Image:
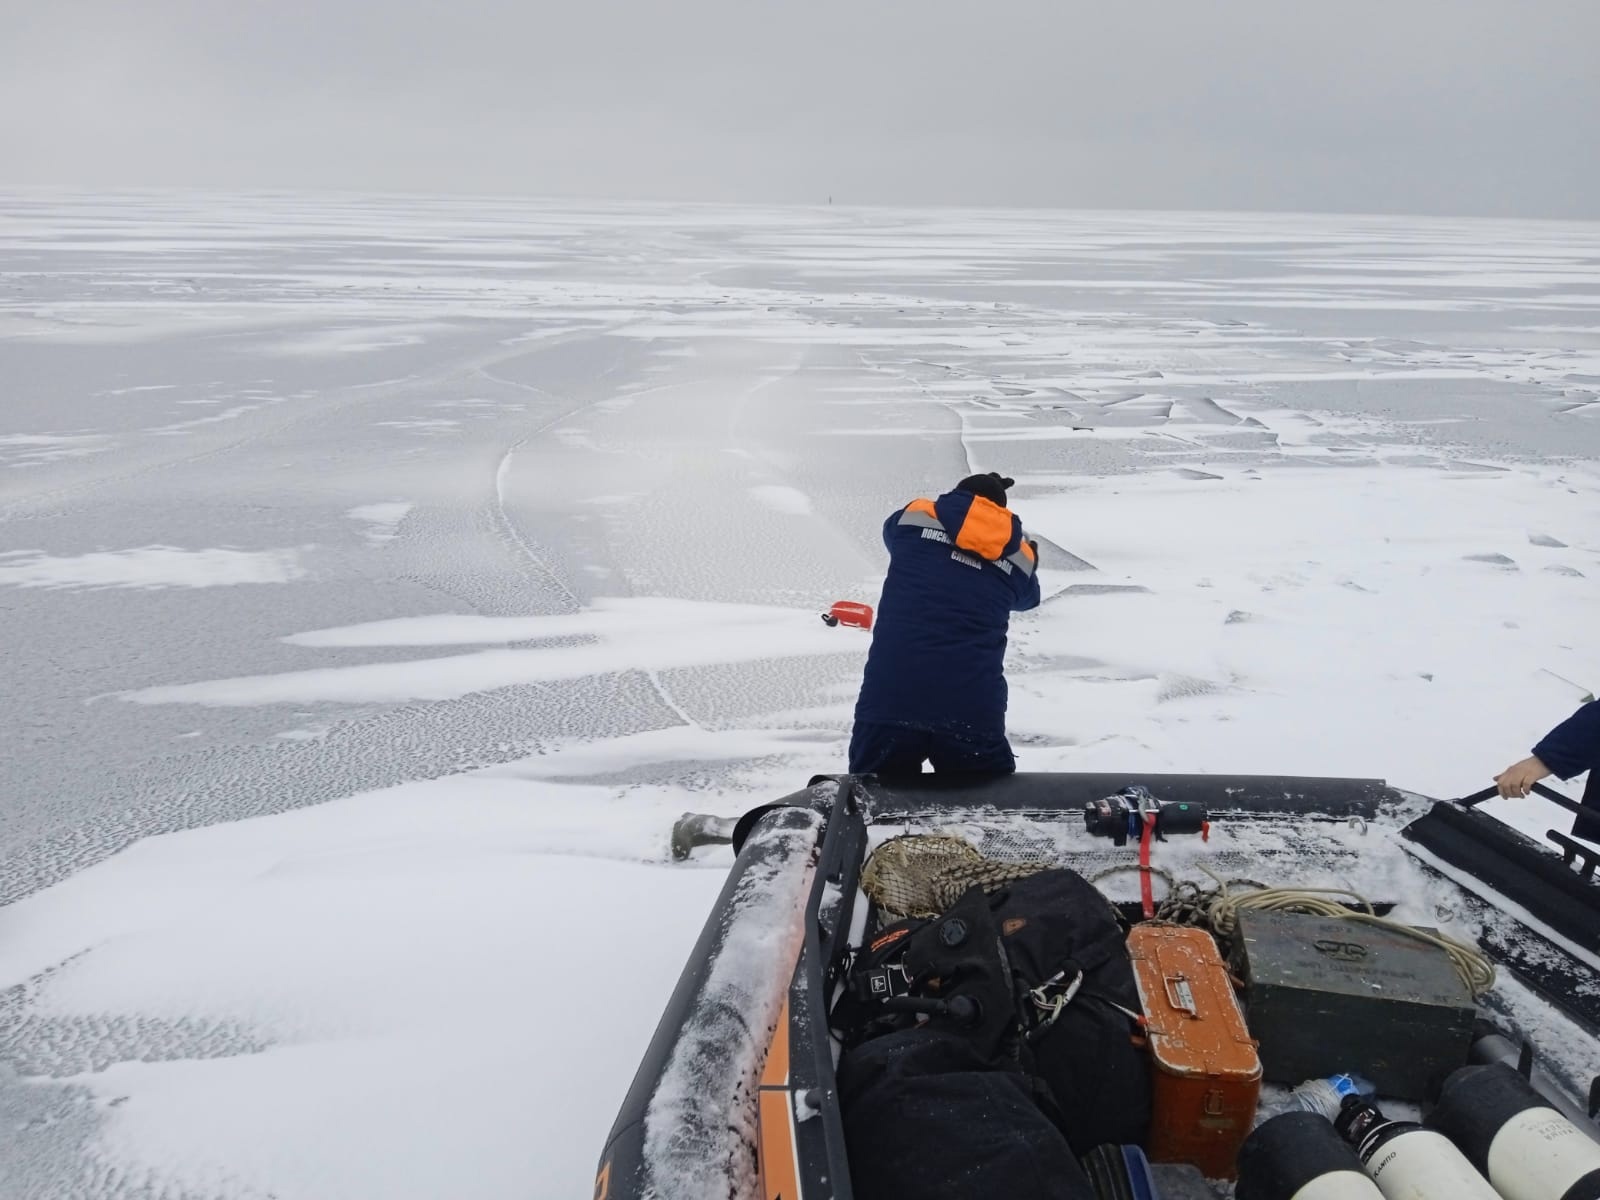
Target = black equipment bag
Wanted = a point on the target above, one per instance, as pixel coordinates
(1045, 961)
(938, 1107)
(877, 974)
(928, 1115)
(949, 973)
(1078, 1004)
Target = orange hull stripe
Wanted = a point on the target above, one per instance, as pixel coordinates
(986, 530)
(775, 1133)
(779, 1178)
(776, 1072)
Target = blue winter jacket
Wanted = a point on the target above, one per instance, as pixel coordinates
(959, 566)
(1573, 746)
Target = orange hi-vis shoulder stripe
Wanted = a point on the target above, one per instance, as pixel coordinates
(924, 507)
(986, 530)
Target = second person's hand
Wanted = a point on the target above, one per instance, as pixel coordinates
(1518, 779)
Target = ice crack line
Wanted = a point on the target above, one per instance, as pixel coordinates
(509, 528)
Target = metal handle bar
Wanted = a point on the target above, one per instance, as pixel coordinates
(1539, 789)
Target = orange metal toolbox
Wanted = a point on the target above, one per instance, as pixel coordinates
(1207, 1074)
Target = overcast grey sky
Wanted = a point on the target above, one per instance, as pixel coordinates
(1483, 107)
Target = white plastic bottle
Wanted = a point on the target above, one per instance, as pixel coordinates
(1324, 1096)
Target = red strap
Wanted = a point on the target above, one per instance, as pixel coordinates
(1145, 892)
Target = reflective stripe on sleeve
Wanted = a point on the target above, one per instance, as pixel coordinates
(1022, 560)
(921, 512)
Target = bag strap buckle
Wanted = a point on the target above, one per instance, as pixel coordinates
(1052, 997)
(884, 982)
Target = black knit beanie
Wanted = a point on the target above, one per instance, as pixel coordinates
(991, 486)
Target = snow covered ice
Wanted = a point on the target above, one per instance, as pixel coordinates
(381, 577)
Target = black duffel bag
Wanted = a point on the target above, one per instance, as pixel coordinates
(1078, 1005)
(928, 1116)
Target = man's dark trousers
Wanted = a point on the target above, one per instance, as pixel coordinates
(901, 750)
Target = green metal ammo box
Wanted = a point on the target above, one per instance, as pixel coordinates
(1325, 995)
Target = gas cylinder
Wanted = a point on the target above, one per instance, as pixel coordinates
(1511, 1133)
(1299, 1156)
(1406, 1161)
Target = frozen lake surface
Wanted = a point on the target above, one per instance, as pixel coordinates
(504, 526)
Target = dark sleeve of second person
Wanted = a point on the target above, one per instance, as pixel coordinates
(1573, 746)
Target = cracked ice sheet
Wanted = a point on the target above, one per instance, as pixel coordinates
(1318, 677)
(382, 947)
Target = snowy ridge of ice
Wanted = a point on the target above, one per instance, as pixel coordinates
(149, 567)
(700, 1126)
(619, 635)
(382, 520)
(608, 616)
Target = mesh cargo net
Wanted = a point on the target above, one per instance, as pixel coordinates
(922, 874)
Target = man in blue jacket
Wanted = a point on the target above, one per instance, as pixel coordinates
(1569, 749)
(934, 687)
